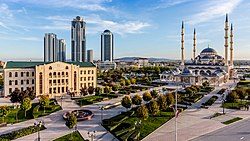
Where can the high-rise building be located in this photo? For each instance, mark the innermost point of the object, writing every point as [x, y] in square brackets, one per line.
[78, 40]
[107, 46]
[61, 50]
[90, 55]
[50, 47]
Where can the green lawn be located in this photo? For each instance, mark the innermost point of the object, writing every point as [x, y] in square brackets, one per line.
[236, 105]
[81, 101]
[232, 120]
[76, 136]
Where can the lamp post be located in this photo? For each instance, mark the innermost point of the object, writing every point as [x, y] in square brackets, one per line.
[38, 124]
[91, 135]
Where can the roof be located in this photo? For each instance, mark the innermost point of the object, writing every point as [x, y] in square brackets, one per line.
[20, 64]
[208, 50]
[106, 30]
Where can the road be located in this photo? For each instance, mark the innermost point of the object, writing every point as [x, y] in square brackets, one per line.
[239, 131]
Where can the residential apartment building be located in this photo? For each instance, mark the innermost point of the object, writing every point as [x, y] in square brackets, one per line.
[53, 79]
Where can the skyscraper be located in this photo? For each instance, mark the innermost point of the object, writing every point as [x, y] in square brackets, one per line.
[107, 46]
[50, 47]
[61, 50]
[78, 40]
[90, 55]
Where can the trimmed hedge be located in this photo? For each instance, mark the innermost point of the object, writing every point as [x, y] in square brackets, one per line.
[124, 129]
[210, 101]
[21, 132]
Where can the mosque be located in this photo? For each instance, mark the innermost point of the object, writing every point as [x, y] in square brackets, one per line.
[207, 66]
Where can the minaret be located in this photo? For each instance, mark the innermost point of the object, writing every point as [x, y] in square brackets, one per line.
[226, 41]
[182, 44]
[194, 44]
[231, 45]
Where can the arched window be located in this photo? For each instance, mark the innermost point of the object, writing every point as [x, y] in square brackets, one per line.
[10, 82]
[50, 68]
[62, 73]
[40, 83]
[58, 73]
[16, 74]
[67, 74]
[67, 67]
[50, 75]
[10, 74]
[54, 73]
[16, 82]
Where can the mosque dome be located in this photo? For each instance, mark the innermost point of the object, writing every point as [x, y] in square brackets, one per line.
[208, 51]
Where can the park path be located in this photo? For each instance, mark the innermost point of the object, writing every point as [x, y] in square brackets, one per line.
[56, 125]
[195, 121]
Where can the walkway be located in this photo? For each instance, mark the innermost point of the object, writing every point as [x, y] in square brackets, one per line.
[196, 121]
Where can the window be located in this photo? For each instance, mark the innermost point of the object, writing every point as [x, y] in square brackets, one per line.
[54, 81]
[67, 81]
[62, 73]
[62, 89]
[84, 85]
[92, 71]
[92, 78]
[62, 80]
[21, 74]
[81, 72]
[88, 84]
[10, 82]
[88, 78]
[84, 78]
[27, 82]
[21, 82]
[81, 79]
[21, 89]
[54, 74]
[50, 90]
[67, 67]
[16, 82]
[33, 88]
[75, 80]
[50, 75]
[10, 90]
[58, 81]
[67, 74]
[66, 89]
[58, 73]
[27, 74]
[88, 71]
[33, 73]
[50, 81]
[85, 72]
[10, 74]
[58, 90]
[81, 85]
[33, 81]
[16, 74]
[92, 84]
[54, 90]
[50, 68]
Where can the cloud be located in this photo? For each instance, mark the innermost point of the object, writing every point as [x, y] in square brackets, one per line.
[169, 3]
[213, 9]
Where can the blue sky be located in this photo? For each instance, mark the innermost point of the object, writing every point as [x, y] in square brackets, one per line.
[146, 28]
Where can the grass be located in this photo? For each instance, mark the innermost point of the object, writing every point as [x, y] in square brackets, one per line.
[76, 136]
[235, 105]
[232, 120]
[210, 101]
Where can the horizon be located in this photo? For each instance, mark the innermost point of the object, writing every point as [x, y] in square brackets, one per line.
[23, 25]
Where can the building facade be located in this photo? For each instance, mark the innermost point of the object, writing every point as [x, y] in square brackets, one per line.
[90, 56]
[107, 46]
[50, 47]
[78, 40]
[53, 79]
[61, 50]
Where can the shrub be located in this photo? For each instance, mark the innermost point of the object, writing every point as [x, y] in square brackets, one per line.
[126, 102]
[143, 112]
[153, 107]
[147, 96]
[35, 112]
[136, 99]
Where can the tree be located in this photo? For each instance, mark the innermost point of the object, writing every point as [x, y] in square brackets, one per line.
[84, 91]
[189, 91]
[123, 83]
[205, 84]
[153, 107]
[44, 101]
[154, 93]
[157, 70]
[147, 96]
[107, 90]
[132, 80]
[91, 90]
[26, 105]
[115, 87]
[98, 90]
[162, 102]
[71, 121]
[232, 97]
[170, 99]
[241, 93]
[126, 102]
[4, 111]
[136, 99]
[142, 112]
[127, 81]
[29, 93]
[14, 96]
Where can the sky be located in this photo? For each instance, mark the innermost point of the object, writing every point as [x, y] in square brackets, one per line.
[144, 28]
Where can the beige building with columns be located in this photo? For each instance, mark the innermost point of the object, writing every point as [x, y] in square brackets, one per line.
[53, 79]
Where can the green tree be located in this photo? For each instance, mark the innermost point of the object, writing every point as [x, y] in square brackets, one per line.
[232, 97]
[189, 91]
[127, 81]
[26, 105]
[84, 91]
[44, 101]
[4, 111]
[71, 121]
[107, 90]
[115, 87]
[132, 80]
[241, 93]
[126, 102]
[170, 99]
[205, 84]
[154, 93]
[98, 90]
[137, 100]
[153, 107]
[91, 90]
[123, 83]
[162, 102]
[14, 96]
[147, 96]
[142, 112]
[157, 70]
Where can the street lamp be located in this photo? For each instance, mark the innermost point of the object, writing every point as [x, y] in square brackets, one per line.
[91, 135]
[39, 125]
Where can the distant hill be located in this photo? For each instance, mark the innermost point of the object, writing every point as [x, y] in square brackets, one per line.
[130, 59]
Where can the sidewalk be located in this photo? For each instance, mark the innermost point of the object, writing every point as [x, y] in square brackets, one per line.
[196, 121]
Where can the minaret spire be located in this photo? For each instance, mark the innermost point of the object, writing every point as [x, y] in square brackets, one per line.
[194, 44]
[226, 40]
[231, 45]
[182, 44]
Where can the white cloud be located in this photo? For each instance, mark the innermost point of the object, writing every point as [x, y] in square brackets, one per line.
[213, 9]
[169, 3]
